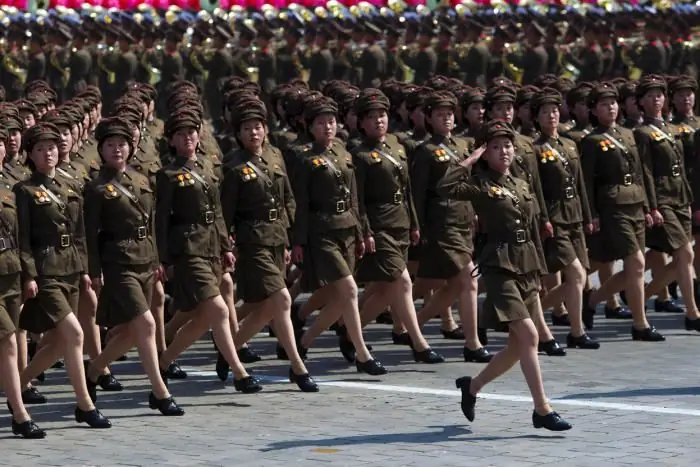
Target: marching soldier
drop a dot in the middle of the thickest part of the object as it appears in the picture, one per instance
(510, 265)
(36, 65)
(58, 69)
(80, 65)
(219, 66)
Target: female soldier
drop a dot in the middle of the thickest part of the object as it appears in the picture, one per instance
(87, 303)
(619, 206)
(254, 192)
(567, 206)
(191, 237)
(447, 227)
(511, 265)
(669, 197)
(10, 268)
(122, 260)
(388, 220)
(326, 235)
(54, 262)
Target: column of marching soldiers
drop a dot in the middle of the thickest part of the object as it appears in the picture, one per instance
(161, 178)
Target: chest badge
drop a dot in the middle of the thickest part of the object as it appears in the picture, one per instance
(248, 174)
(374, 155)
(111, 192)
(185, 180)
(318, 162)
(440, 155)
(606, 145)
(547, 155)
(42, 197)
(657, 136)
(496, 191)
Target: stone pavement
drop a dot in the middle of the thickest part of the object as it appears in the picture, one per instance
(631, 403)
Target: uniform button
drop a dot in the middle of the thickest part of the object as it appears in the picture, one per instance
(517, 221)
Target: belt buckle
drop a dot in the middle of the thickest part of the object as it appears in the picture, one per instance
(569, 192)
(65, 241)
(341, 206)
(398, 197)
(272, 215)
(520, 236)
(627, 179)
(141, 233)
(676, 170)
(208, 217)
(3, 244)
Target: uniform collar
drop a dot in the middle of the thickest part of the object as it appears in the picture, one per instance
(441, 139)
(41, 179)
(185, 161)
(498, 177)
(113, 174)
(654, 121)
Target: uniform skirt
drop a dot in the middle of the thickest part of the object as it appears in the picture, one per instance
(509, 297)
(621, 231)
(328, 257)
(126, 293)
(260, 272)
(388, 262)
(9, 304)
(446, 253)
(196, 280)
(675, 232)
(56, 299)
(567, 244)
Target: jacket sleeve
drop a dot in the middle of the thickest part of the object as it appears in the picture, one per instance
(360, 180)
(92, 208)
(164, 199)
(647, 165)
(457, 184)
(24, 219)
(229, 201)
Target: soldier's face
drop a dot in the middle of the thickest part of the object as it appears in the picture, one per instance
(14, 142)
(252, 134)
(28, 119)
(376, 123)
(75, 137)
(475, 114)
(548, 116)
(499, 153)
(3, 152)
(631, 107)
(418, 118)
(115, 151)
(45, 155)
(324, 128)
(442, 120)
(66, 143)
(502, 111)
(135, 136)
(653, 101)
(185, 140)
(606, 110)
(684, 101)
(351, 120)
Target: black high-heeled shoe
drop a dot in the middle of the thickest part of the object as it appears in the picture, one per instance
(167, 406)
(468, 400)
(247, 385)
(552, 421)
(427, 356)
(401, 339)
(371, 367)
(480, 355)
(305, 382)
(93, 418)
(551, 348)
(31, 395)
(109, 383)
(248, 355)
(28, 430)
(222, 367)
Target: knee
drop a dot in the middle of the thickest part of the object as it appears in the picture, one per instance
(226, 285)
(282, 300)
(346, 289)
(147, 324)
(576, 274)
(684, 255)
(404, 283)
(467, 282)
(635, 264)
(8, 346)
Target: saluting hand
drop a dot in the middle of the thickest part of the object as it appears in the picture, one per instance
(297, 254)
(415, 237)
(370, 247)
(473, 157)
(30, 289)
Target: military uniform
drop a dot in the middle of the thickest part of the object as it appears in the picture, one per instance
(326, 221)
(510, 263)
(220, 66)
(80, 65)
(36, 67)
(10, 268)
(52, 247)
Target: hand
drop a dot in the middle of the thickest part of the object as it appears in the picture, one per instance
(696, 218)
(96, 284)
(473, 157)
(287, 256)
(359, 248)
(30, 289)
(547, 230)
(159, 273)
(648, 220)
(657, 217)
(596, 225)
(415, 237)
(169, 273)
(370, 247)
(86, 282)
(228, 259)
(590, 228)
(297, 254)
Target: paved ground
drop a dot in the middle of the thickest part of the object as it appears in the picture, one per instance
(630, 403)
